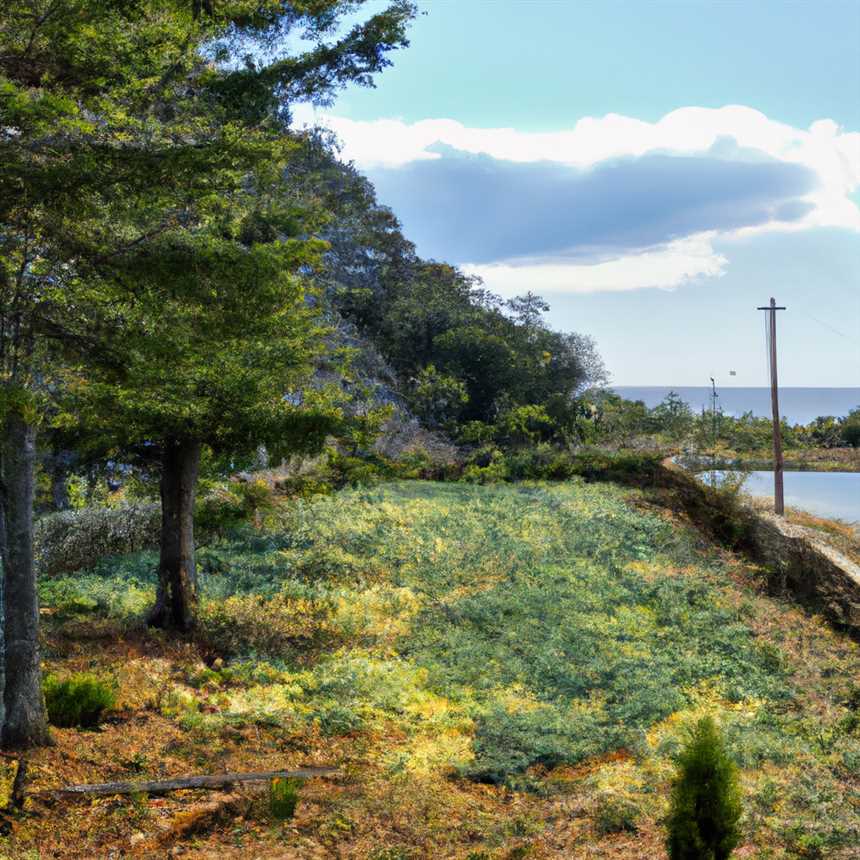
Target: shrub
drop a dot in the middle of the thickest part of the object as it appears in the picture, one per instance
(219, 511)
(616, 813)
(851, 433)
(283, 798)
(489, 467)
(79, 700)
(705, 799)
(74, 540)
(625, 467)
(280, 626)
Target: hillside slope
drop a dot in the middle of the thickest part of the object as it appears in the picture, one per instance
(499, 672)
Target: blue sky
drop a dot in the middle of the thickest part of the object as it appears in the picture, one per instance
(656, 170)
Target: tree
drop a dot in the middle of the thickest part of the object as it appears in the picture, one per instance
(705, 799)
(117, 121)
(528, 309)
(672, 416)
(217, 347)
(851, 428)
(422, 313)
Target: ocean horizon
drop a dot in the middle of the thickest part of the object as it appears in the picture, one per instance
(798, 405)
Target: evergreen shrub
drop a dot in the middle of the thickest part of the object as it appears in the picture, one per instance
(283, 798)
(705, 799)
(77, 701)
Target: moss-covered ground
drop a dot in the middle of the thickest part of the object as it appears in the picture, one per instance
(497, 672)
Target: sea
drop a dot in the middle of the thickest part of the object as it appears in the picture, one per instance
(796, 405)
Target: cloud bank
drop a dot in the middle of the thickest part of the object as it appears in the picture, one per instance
(614, 203)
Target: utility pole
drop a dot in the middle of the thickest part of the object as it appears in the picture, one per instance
(770, 328)
(714, 397)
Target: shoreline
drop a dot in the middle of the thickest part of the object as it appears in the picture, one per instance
(806, 460)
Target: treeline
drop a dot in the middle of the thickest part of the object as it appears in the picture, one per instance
(605, 417)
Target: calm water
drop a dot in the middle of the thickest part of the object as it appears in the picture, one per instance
(797, 405)
(827, 494)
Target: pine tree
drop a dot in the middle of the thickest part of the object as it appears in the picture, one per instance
(705, 800)
(122, 125)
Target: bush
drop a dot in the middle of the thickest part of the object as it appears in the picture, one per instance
(705, 800)
(489, 467)
(219, 511)
(75, 540)
(283, 798)
(851, 433)
(616, 813)
(79, 700)
(624, 467)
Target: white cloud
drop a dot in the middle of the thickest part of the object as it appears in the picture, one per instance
(729, 134)
(674, 265)
(734, 133)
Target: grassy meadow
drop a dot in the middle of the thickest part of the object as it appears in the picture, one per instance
(498, 671)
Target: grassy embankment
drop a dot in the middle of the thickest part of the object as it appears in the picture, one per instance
(499, 672)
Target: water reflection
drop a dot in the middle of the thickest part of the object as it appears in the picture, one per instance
(826, 494)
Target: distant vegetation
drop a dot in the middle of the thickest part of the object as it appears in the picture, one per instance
(610, 419)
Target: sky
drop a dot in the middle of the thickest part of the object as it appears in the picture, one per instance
(656, 170)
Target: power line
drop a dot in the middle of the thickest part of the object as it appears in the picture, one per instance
(832, 328)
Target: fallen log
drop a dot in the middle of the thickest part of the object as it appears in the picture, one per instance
(165, 786)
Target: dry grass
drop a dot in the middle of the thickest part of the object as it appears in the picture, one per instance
(842, 536)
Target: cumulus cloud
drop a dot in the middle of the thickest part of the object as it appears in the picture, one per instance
(679, 263)
(612, 201)
(479, 209)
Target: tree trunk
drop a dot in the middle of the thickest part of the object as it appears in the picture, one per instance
(25, 720)
(176, 600)
(4, 553)
(58, 464)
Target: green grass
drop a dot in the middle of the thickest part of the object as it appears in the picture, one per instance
(496, 628)
(79, 700)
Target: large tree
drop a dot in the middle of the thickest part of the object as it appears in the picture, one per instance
(120, 122)
(216, 340)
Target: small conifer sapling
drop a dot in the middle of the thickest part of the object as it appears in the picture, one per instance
(705, 799)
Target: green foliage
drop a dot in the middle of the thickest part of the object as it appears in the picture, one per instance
(494, 631)
(601, 417)
(706, 799)
(77, 701)
(498, 630)
(850, 428)
(462, 354)
(672, 417)
(295, 620)
(75, 540)
(436, 398)
(283, 798)
(488, 467)
(225, 507)
(118, 589)
(524, 425)
(616, 813)
(506, 743)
